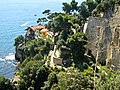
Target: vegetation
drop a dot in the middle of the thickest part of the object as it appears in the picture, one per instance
(5, 84)
(77, 71)
(32, 75)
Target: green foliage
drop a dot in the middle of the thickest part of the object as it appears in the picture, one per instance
(117, 2)
(105, 5)
(74, 5)
(66, 8)
(33, 47)
(47, 12)
(38, 57)
(73, 51)
(72, 79)
(51, 81)
(91, 5)
(84, 12)
(69, 8)
(61, 24)
(33, 75)
(79, 73)
(99, 8)
(77, 40)
(5, 84)
(51, 16)
(19, 40)
(23, 64)
(42, 20)
(41, 76)
(108, 79)
(98, 1)
(31, 66)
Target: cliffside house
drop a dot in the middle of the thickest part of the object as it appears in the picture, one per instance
(44, 33)
(34, 32)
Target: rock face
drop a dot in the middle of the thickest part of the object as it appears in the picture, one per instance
(114, 50)
(104, 38)
(20, 55)
(99, 35)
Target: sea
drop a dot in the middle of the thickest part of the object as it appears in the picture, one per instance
(15, 16)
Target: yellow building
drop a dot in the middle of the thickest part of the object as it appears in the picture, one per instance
(44, 33)
(34, 32)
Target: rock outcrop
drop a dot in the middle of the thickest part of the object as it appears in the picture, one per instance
(104, 38)
(114, 50)
(99, 35)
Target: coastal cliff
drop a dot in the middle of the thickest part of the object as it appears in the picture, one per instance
(62, 57)
(104, 38)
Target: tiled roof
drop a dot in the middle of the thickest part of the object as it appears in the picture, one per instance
(44, 30)
(36, 27)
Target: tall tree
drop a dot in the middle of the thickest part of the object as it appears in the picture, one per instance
(76, 43)
(74, 5)
(83, 10)
(91, 5)
(67, 8)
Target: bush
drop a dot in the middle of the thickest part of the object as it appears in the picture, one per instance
(5, 84)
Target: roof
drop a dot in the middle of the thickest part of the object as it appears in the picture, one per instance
(36, 27)
(44, 30)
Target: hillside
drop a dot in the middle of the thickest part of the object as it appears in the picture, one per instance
(70, 50)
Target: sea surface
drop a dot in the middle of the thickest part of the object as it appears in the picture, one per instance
(15, 15)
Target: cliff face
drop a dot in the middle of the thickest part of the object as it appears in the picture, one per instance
(114, 50)
(104, 38)
(99, 35)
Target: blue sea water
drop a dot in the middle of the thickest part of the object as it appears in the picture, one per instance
(13, 14)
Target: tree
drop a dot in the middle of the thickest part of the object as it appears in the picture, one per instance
(72, 79)
(5, 84)
(51, 16)
(51, 81)
(107, 7)
(74, 5)
(19, 45)
(19, 40)
(38, 57)
(47, 12)
(98, 1)
(41, 76)
(117, 2)
(76, 43)
(42, 20)
(83, 10)
(67, 8)
(32, 75)
(108, 79)
(61, 23)
(32, 51)
(91, 5)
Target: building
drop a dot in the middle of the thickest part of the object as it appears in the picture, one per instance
(34, 32)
